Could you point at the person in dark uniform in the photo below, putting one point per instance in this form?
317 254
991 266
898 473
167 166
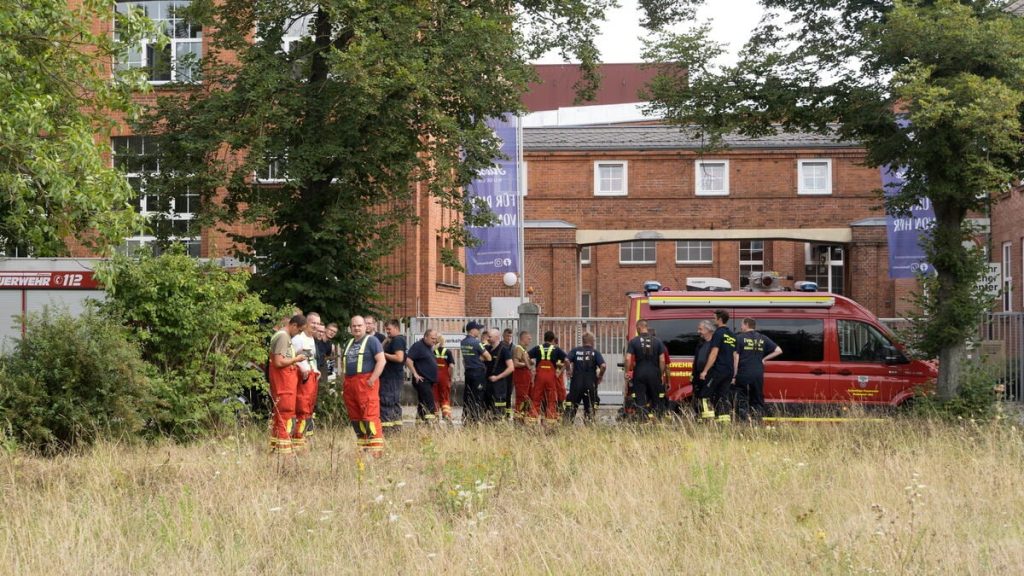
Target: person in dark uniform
586 369
499 373
392 378
473 357
700 360
645 360
753 349
423 364
718 373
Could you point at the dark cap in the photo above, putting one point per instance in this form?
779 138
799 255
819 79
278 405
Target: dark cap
473 325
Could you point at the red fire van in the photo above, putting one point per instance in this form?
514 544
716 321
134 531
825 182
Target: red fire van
834 350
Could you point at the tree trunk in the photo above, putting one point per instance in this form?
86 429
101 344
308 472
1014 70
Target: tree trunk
951 358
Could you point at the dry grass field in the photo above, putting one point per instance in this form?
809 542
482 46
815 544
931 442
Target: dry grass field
892 497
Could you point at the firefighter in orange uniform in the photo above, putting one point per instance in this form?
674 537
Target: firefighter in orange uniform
284 380
443 386
364 361
522 377
546 357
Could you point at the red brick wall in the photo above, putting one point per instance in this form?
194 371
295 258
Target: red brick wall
1007 215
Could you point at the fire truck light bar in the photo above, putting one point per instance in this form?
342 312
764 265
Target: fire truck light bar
741 302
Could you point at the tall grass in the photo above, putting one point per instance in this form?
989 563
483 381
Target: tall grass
894 497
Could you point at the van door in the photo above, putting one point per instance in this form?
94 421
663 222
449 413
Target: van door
860 372
800 375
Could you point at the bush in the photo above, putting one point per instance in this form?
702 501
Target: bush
71 380
977 397
199 326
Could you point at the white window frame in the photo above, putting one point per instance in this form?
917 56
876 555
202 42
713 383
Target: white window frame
585 255
711 248
144 208
525 183
698 168
586 305
1007 283
751 263
802 190
281 176
598 164
643 249
173 43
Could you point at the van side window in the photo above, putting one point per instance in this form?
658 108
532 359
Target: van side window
861 342
801 339
678 334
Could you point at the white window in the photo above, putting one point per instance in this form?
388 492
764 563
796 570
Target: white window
638 252
585 255
693 252
712 177
824 265
751 260
178 60
611 178
1007 277
814 176
274 173
585 305
134 155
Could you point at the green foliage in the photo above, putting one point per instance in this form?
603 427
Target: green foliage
198 325
935 87
71 380
56 94
378 106
977 398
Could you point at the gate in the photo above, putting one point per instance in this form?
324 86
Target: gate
609 336
999 341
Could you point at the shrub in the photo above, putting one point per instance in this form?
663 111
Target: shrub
199 326
977 397
70 380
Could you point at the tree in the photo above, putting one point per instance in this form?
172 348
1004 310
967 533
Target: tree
57 92
933 86
353 104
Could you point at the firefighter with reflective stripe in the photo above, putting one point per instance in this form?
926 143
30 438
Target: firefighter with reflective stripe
309 377
392 378
499 369
753 350
363 360
443 386
473 357
586 369
700 359
718 373
284 380
645 363
522 377
545 385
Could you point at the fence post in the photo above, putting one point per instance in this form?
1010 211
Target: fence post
529 319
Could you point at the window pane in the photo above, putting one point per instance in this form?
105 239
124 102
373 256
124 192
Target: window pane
679 335
159 62
815 176
585 255
712 177
611 177
801 340
187 61
641 251
860 342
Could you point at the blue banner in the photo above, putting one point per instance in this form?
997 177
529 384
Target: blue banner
498 251
906 257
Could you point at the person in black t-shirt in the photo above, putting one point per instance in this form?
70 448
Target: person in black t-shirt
422 363
645 360
499 372
700 359
752 350
718 373
392 377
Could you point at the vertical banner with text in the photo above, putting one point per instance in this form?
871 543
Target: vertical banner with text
498 251
906 257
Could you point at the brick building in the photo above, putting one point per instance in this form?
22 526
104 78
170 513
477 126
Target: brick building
1007 241
608 207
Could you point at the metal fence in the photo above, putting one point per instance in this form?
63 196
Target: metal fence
609 334
999 344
